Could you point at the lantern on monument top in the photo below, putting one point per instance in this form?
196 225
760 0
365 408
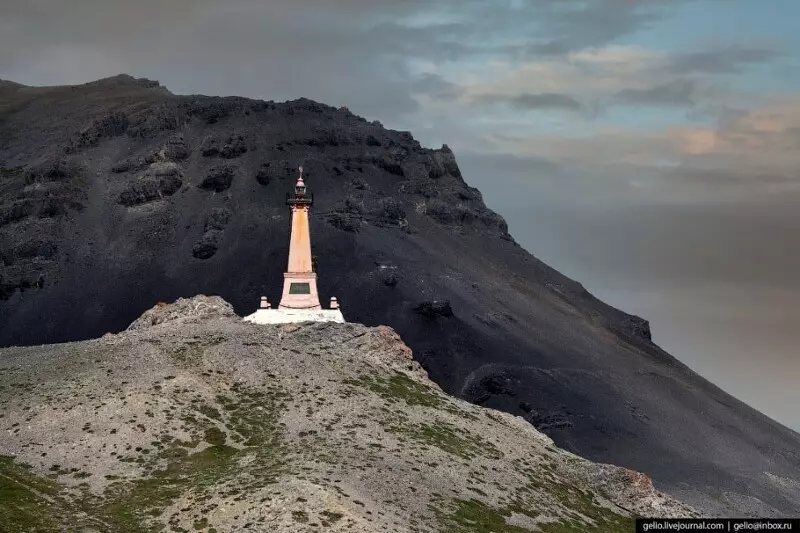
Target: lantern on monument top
300 188
301 196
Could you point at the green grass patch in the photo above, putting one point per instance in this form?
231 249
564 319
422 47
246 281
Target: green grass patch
215 436
329 518
175 469
400 387
210 412
32 503
449 438
474 516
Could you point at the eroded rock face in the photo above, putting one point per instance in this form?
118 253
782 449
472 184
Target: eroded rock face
39 246
176 149
233 147
218 219
160 181
345 222
208 244
389 211
210 147
132 164
263 176
54 169
219 178
627 488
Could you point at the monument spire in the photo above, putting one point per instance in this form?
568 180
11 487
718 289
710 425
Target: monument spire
300 280
300 299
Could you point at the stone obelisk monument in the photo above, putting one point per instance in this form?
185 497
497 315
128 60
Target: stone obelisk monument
300 280
300 299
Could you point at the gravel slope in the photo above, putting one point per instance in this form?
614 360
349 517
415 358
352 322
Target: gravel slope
204 422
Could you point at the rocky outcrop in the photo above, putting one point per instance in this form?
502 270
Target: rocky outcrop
53 169
132 164
233 147
107 127
183 311
263 176
192 419
218 219
628 489
219 178
175 149
160 181
275 170
208 244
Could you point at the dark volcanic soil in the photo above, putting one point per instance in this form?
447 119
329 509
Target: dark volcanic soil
117 194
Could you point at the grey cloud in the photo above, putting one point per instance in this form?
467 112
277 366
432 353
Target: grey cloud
529 101
571 26
592 24
545 101
512 169
351 52
436 87
681 92
358 31
723 61
438 42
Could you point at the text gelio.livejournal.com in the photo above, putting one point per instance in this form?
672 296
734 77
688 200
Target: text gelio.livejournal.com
654 525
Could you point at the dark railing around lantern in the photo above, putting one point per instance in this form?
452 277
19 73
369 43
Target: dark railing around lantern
306 199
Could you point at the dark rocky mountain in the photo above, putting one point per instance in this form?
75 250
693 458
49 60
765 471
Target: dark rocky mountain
118 194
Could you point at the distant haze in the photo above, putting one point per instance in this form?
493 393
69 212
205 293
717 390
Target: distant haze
649 149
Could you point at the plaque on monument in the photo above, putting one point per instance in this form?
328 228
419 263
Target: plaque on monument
300 288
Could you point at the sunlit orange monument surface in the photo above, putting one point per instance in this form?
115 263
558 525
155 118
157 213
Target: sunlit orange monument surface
300 299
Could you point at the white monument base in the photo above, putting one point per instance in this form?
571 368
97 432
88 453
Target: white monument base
289 316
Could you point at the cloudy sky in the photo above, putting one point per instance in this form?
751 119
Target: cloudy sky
648 148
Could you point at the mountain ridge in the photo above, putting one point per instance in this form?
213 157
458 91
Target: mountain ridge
120 194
